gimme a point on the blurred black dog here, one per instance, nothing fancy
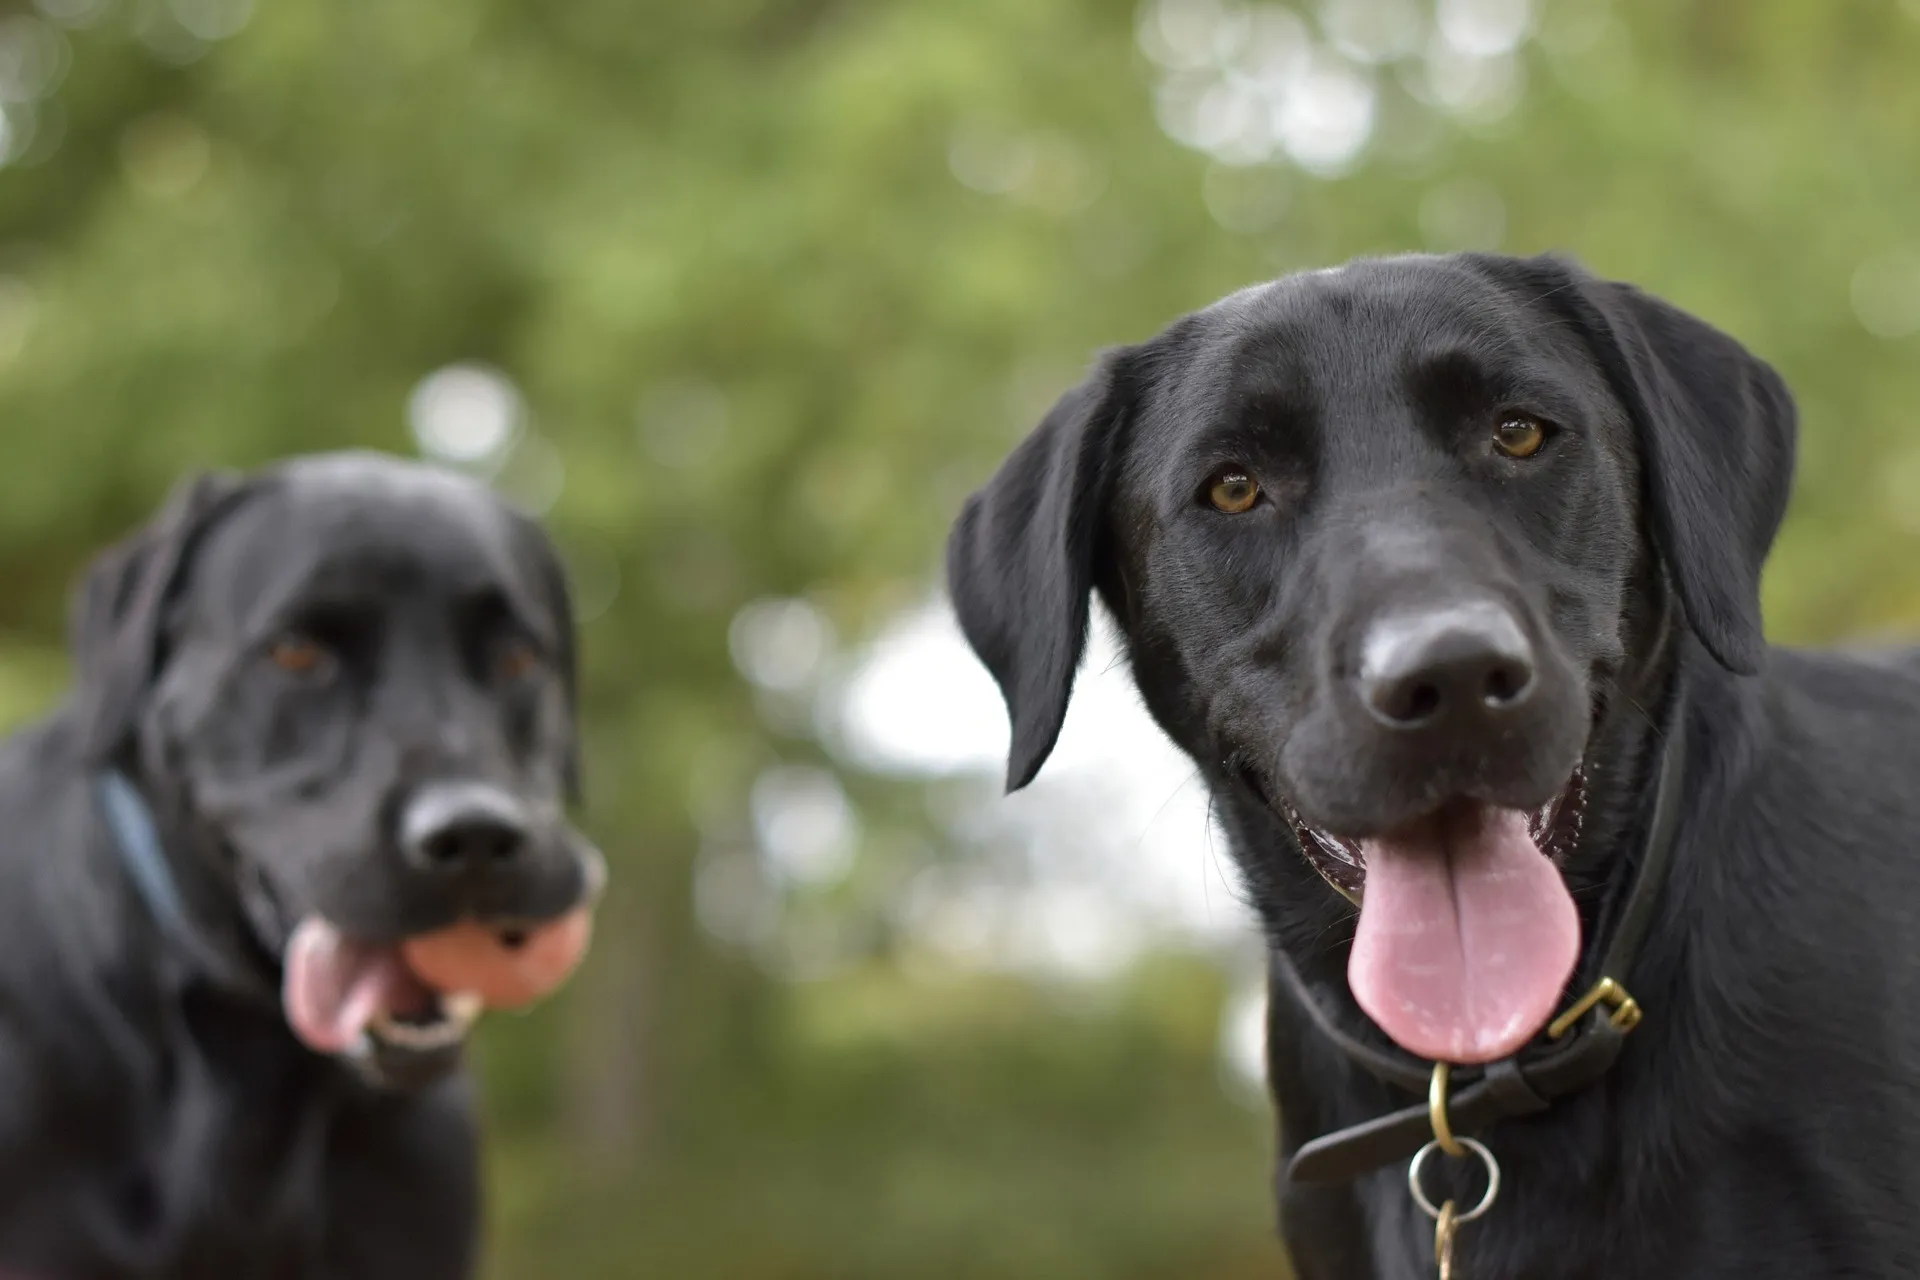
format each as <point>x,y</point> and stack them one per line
<point>1445,572</point>
<point>333,702</point>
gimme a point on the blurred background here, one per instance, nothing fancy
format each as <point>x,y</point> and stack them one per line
<point>743,296</point>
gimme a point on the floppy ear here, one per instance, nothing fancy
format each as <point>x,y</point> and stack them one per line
<point>1716,429</point>
<point>1020,559</point>
<point>119,611</point>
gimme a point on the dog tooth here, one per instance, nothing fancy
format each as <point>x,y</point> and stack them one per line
<point>462,1008</point>
<point>414,1037</point>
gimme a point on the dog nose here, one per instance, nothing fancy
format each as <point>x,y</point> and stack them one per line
<point>462,826</point>
<point>1467,660</point>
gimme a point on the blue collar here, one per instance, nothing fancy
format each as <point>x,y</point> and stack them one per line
<point>137,839</point>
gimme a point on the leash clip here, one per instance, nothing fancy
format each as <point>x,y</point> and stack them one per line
<point>1626,1010</point>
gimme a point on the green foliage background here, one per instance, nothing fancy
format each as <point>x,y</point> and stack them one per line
<point>217,251</point>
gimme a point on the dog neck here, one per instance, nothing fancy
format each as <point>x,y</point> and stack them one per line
<point>149,858</point>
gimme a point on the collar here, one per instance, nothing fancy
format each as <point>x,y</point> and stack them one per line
<point>1578,1048</point>
<point>136,838</point>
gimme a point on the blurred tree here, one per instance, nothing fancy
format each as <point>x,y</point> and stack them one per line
<point>750,293</point>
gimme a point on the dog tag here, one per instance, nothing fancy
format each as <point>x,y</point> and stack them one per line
<point>1443,1228</point>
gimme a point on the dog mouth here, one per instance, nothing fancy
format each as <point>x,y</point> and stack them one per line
<point>1467,933</point>
<point>381,1002</point>
<point>1554,827</point>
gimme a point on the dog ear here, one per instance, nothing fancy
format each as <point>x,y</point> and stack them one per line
<point>119,611</point>
<point>1716,428</point>
<point>1021,557</point>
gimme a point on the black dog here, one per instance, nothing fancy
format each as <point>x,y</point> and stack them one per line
<point>1445,572</point>
<point>332,700</point>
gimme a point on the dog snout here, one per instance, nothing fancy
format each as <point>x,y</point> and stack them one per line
<point>457,828</point>
<point>1454,665</point>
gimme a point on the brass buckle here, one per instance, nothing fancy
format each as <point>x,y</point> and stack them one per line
<point>1626,1010</point>
<point>1437,1111</point>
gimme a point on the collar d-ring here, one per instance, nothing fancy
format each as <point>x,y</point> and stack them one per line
<point>1428,1207</point>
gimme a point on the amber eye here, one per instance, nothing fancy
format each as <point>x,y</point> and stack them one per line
<point>298,655</point>
<point>518,660</point>
<point>1519,436</point>
<point>1233,491</point>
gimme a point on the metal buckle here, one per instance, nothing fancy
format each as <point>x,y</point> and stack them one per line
<point>1626,1010</point>
<point>1437,1112</point>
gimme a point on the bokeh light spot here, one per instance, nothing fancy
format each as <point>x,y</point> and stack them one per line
<point>1886,294</point>
<point>74,13</point>
<point>780,644</point>
<point>993,164</point>
<point>466,414</point>
<point>166,39</point>
<point>1374,30</point>
<point>1471,87</point>
<point>805,826</point>
<point>1326,117</point>
<point>732,898</point>
<point>1484,28</point>
<point>164,156</point>
<point>34,56</point>
<point>1249,84</point>
<point>1243,1043</point>
<point>213,19</point>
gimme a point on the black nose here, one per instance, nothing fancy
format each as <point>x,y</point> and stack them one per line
<point>1454,662</point>
<point>462,826</point>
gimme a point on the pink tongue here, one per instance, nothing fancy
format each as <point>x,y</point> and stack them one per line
<point>335,986</point>
<point>1467,936</point>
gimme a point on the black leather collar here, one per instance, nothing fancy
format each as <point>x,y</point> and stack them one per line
<point>1546,1070</point>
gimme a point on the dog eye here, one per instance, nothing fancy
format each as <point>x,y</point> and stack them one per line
<point>298,655</point>
<point>1519,436</point>
<point>1233,491</point>
<point>517,661</point>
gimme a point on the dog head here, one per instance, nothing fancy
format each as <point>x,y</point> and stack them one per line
<point>1384,541</point>
<point>353,677</point>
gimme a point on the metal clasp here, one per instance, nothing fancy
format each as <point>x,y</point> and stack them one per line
<point>1626,1010</point>
<point>1437,1112</point>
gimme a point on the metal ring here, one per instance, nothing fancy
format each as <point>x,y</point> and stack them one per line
<point>1427,1206</point>
<point>1437,1111</point>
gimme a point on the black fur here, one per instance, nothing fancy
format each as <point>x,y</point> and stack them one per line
<point>1763,1120</point>
<point>158,1119</point>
